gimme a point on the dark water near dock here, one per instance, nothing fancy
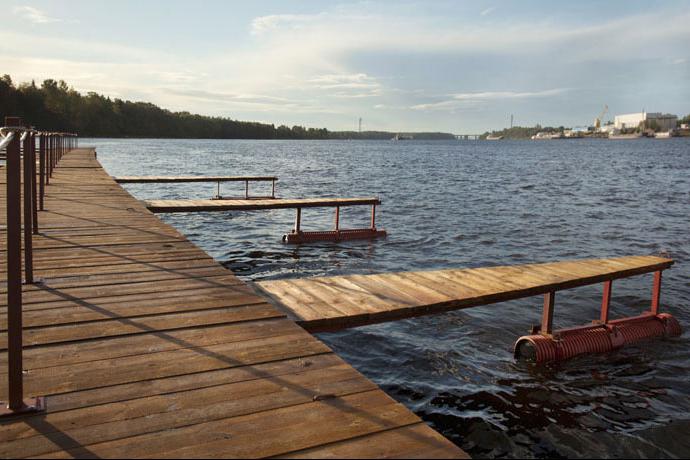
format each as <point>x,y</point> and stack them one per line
<point>471,204</point>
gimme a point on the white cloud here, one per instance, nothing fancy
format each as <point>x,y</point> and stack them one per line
<point>482,96</point>
<point>488,11</point>
<point>265,24</point>
<point>357,85</point>
<point>458,100</point>
<point>34,15</point>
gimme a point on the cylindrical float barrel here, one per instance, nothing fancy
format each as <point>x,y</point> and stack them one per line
<point>566,343</point>
<point>333,235</point>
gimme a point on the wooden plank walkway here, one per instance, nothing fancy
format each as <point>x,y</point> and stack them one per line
<point>338,302</point>
<point>160,206</point>
<point>181,179</point>
<point>146,347</point>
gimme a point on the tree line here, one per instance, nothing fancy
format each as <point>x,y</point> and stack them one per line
<point>56,106</point>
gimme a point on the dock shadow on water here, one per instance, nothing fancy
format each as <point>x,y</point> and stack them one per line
<point>472,204</point>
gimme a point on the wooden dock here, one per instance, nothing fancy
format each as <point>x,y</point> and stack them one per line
<point>161,206</point>
<point>338,302</point>
<point>144,346</point>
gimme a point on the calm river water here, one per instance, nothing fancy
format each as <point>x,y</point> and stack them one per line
<point>471,204</point>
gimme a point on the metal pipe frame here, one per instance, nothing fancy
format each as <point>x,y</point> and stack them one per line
<point>604,318</point>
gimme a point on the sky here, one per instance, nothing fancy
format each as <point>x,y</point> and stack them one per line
<point>460,67</point>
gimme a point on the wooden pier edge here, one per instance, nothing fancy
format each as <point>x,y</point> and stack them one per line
<point>144,346</point>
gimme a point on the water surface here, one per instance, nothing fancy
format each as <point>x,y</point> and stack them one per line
<point>471,204</point>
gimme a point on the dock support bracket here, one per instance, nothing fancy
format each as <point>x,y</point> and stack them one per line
<point>656,293</point>
<point>298,220</point>
<point>606,302</point>
<point>547,313</point>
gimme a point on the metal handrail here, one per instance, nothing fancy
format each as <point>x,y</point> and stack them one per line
<point>21,147</point>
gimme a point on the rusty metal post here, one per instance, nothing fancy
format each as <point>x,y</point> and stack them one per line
<point>14,271</point>
<point>298,220</point>
<point>373,217</point>
<point>606,301</point>
<point>547,314</point>
<point>656,293</point>
<point>34,188</point>
<point>41,170</point>
<point>337,218</point>
<point>28,213</point>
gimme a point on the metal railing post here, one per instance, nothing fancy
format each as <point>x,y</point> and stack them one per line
<point>14,272</point>
<point>42,170</point>
<point>28,213</point>
<point>34,187</point>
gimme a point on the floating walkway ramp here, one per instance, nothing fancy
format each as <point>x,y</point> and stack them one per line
<point>144,346</point>
<point>297,235</point>
<point>188,179</point>
<point>194,179</point>
<point>167,206</point>
<point>338,302</point>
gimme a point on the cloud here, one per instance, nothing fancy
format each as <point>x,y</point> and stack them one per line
<point>459,100</point>
<point>221,96</point>
<point>507,94</point>
<point>354,86</point>
<point>34,15</point>
<point>488,11</point>
<point>265,24</point>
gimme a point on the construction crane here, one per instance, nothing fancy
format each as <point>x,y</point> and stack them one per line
<point>600,118</point>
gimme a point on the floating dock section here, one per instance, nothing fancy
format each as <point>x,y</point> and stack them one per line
<point>338,302</point>
<point>193,179</point>
<point>143,346</point>
<point>297,235</point>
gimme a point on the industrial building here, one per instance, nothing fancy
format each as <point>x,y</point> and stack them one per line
<point>665,121</point>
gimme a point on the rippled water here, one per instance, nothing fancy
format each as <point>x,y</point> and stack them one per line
<point>470,204</point>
